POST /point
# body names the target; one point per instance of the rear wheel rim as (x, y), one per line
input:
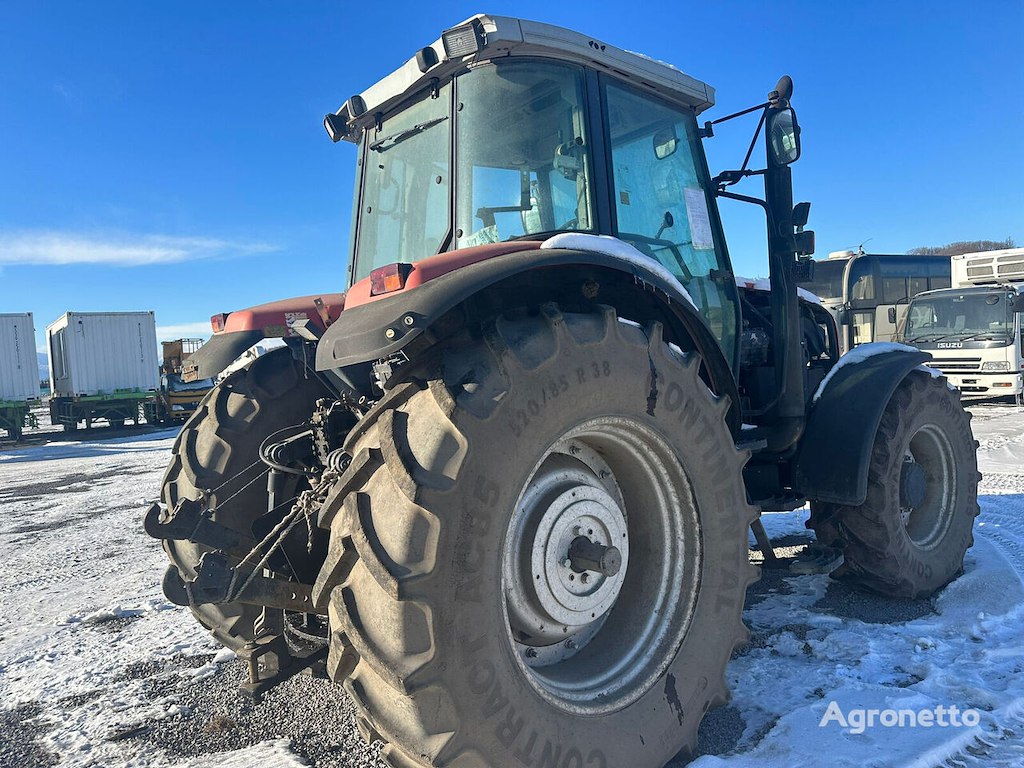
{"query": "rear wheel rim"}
(591, 640)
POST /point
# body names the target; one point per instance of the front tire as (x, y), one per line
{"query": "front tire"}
(463, 632)
(909, 537)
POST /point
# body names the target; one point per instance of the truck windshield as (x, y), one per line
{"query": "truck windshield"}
(959, 316)
(403, 212)
(523, 152)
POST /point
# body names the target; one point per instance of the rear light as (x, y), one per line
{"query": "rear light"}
(218, 322)
(389, 278)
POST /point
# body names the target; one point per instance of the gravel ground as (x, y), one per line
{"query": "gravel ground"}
(20, 729)
(314, 713)
(317, 716)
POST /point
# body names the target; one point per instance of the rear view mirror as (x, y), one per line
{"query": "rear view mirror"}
(665, 143)
(783, 136)
(892, 315)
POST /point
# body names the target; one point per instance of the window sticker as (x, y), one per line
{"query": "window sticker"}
(700, 221)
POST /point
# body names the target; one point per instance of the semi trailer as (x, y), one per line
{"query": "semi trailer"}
(103, 365)
(19, 372)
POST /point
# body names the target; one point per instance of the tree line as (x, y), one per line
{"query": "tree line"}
(962, 246)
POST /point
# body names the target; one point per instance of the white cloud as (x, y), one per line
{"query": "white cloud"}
(124, 250)
(183, 331)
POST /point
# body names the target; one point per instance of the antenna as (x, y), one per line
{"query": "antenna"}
(860, 248)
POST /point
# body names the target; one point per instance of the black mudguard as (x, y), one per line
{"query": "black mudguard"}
(218, 353)
(382, 328)
(832, 463)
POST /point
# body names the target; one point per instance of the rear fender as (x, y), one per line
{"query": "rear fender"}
(236, 331)
(390, 324)
(832, 463)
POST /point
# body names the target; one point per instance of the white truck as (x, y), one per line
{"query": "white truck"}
(103, 365)
(19, 372)
(973, 329)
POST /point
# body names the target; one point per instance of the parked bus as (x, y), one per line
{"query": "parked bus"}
(973, 330)
(860, 288)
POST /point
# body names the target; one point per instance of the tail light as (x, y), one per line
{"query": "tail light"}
(389, 278)
(218, 322)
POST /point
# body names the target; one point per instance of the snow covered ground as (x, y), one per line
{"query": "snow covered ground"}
(97, 669)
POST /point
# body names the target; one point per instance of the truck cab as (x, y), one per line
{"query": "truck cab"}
(973, 330)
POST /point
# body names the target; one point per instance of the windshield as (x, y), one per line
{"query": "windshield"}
(960, 317)
(523, 149)
(404, 206)
(828, 279)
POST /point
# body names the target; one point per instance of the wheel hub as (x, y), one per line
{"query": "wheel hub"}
(913, 485)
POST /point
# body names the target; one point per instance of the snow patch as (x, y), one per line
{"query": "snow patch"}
(859, 355)
(613, 246)
(275, 753)
(764, 284)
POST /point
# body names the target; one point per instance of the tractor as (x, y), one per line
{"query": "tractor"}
(501, 488)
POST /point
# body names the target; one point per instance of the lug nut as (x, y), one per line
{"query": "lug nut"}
(409, 320)
(390, 333)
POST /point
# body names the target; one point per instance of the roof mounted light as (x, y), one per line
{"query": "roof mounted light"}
(463, 41)
(336, 127)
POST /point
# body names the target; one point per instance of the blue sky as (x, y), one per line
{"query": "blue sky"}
(171, 156)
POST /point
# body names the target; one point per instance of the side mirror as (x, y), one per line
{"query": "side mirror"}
(783, 136)
(1018, 304)
(843, 316)
(892, 315)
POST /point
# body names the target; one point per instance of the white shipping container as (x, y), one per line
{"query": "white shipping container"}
(101, 353)
(19, 366)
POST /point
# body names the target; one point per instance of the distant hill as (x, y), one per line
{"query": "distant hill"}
(44, 366)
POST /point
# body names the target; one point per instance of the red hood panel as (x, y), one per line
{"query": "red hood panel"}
(278, 318)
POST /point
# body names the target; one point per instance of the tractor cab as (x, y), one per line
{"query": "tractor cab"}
(506, 130)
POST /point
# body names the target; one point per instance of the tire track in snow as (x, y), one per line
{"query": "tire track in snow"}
(1000, 745)
(1002, 522)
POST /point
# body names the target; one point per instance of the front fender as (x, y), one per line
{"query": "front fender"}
(832, 463)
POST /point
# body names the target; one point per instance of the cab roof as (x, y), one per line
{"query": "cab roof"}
(483, 37)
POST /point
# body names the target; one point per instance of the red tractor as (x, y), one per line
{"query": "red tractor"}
(502, 487)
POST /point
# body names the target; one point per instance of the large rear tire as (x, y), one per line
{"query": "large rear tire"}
(479, 617)
(218, 449)
(909, 537)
